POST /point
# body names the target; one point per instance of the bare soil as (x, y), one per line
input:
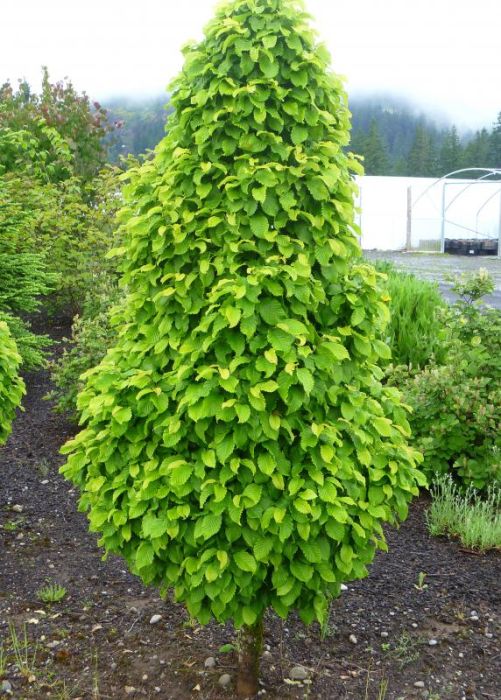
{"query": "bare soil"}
(386, 633)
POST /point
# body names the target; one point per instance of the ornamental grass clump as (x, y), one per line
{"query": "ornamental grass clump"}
(11, 385)
(238, 445)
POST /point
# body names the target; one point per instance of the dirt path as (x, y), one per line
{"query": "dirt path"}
(98, 642)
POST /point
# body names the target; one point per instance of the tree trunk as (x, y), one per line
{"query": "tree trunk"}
(249, 653)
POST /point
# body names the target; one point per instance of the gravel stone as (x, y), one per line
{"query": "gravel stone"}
(155, 619)
(224, 680)
(210, 662)
(298, 673)
(353, 639)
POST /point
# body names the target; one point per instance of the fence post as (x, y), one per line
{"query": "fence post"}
(408, 239)
(442, 228)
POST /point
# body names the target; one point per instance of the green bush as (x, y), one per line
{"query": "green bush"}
(456, 419)
(416, 332)
(24, 276)
(11, 386)
(238, 444)
(92, 334)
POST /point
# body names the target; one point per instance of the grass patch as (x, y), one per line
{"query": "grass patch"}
(415, 332)
(475, 521)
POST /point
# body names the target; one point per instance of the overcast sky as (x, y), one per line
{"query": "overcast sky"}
(445, 55)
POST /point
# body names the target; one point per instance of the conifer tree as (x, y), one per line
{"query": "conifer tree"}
(238, 445)
(376, 161)
(451, 153)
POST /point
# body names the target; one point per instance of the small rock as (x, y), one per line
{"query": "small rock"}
(155, 619)
(419, 684)
(210, 662)
(384, 634)
(489, 635)
(353, 639)
(54, 644)
(474, 618)
(96, 628)
(17, 508)
(267, 654)
(461, 655)
(344, 587)
(432, 642)
(415, 625)
(6, 688)
(129, 690)
(45, 482)
(298, 673)
(224, 680)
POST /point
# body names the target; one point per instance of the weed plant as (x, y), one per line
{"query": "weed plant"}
(51, 593)
(475, 521)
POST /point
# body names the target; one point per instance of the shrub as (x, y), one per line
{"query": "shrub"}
(11, 386)
(92, 334)
(415, 333)
(237, 443)
(475, 521)
(456, 419)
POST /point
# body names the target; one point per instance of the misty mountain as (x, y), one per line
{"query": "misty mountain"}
(394, 136)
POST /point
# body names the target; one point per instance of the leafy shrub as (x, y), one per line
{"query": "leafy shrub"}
(238, 444)
(24, 276)
(456, 419)
(474, 520)
(11, 386)
(415, 333)
(92, 334)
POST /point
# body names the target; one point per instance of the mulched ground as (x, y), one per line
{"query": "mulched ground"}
(98, 643)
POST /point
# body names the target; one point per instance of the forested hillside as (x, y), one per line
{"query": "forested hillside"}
(394, 138)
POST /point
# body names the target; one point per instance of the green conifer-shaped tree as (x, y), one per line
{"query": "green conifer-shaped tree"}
(238, 445)
(11, 386)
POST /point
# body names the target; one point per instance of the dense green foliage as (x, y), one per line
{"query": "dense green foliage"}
(416, 331)
(24, 275)
(58, 114)
(456, 419)
(92, 334)
(11, 386)
(56, 202)
(238, 444)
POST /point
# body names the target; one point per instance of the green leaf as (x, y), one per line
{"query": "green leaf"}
(303, 572)
(245, 561)
(383, 426)
(207, 526)
(266, 464)
(306, 378)
(317, 189)
(154, 526)
(293, 326)
(122, 415)
(144, 555)
(299, 134)
(259, 225)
